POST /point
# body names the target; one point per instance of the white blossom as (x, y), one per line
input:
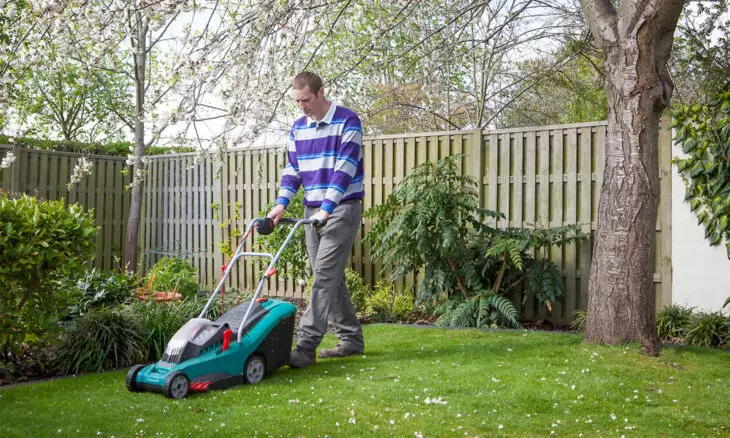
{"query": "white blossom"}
(7, 160)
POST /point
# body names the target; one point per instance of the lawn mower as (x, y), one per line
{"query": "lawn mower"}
(205, 355)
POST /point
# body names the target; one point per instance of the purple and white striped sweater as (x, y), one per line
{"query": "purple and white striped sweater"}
(325, 158)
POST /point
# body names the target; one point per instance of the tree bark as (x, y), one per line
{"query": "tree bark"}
(636, 41)
(139, 44)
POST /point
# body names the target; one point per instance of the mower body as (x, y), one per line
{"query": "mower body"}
(205, 355)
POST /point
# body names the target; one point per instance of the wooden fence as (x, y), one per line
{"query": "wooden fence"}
(538, 177)
(46, 174)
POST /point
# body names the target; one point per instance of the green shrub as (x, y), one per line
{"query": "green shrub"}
(708, 330)
(359, 291)
(98, 289)
(42, 243)
(294, 260)
(385, 304)
(160, 321)
(100, 340)
(672, 321)
(174, 275)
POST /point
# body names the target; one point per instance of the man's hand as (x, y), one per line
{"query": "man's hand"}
(320, 215)
(277, 213)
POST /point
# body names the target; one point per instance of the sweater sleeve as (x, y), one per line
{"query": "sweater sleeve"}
(290, 180)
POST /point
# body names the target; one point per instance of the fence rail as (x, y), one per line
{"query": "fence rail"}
(538, 177)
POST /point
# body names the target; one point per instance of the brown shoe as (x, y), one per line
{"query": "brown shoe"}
(301, 358)
(340, 351)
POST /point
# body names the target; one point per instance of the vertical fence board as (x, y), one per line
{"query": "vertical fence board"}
(571, 217)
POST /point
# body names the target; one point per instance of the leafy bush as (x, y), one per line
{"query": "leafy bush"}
(295, 259)
(672, 321)
(359, 291)
(100, 340)
(433, 222)
(174, 275)
(42, 243)
(708, 330)
(385, 304)
(160, 321)
(98, 289)
(482, 310)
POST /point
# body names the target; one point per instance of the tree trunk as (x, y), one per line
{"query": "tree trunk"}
(138, 170)
(636, 45)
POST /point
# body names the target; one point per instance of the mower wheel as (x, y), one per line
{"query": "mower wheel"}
(176, 385)
(132, 378)
(254, 370)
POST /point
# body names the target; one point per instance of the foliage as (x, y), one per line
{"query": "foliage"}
(563, 87)
(102, 339)
(294, 259)
(160, 321)
(118, 149)
(509, 258)
(709, 330)
(425, 223)
(359, 291)
(99, 288)
(704, 133)
(485, 309)
(700, 61)
(63, 99)
(41, 243)
(672, 321)
(433, 221)
(174, 275)
(580, 321)
(385, 304)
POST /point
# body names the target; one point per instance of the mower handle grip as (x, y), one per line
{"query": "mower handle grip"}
(266, 226)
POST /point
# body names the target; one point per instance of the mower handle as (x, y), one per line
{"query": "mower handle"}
(266, 225)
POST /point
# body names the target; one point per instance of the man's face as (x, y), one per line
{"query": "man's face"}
(311, 104)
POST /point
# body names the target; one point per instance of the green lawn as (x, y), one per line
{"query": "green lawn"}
(412, 382)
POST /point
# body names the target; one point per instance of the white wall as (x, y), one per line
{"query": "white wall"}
(700, 273)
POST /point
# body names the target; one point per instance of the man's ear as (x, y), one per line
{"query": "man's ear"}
(320, 93)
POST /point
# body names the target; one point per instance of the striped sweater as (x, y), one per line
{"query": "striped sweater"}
(325, 158)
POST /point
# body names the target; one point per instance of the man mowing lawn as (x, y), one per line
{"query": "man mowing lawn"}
(325, 156)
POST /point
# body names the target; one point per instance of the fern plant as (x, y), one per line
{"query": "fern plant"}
(425, 224)
(485, 309)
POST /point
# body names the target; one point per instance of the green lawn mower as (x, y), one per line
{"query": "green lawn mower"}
(205, 355)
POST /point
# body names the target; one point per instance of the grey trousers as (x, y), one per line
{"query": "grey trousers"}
(329, 249)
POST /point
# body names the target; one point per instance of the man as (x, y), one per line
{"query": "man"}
(325, 156)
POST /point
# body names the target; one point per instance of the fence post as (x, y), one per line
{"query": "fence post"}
(477, 167)
(665, 209)
(15, 170)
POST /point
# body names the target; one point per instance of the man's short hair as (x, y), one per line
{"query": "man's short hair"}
(307, 79)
